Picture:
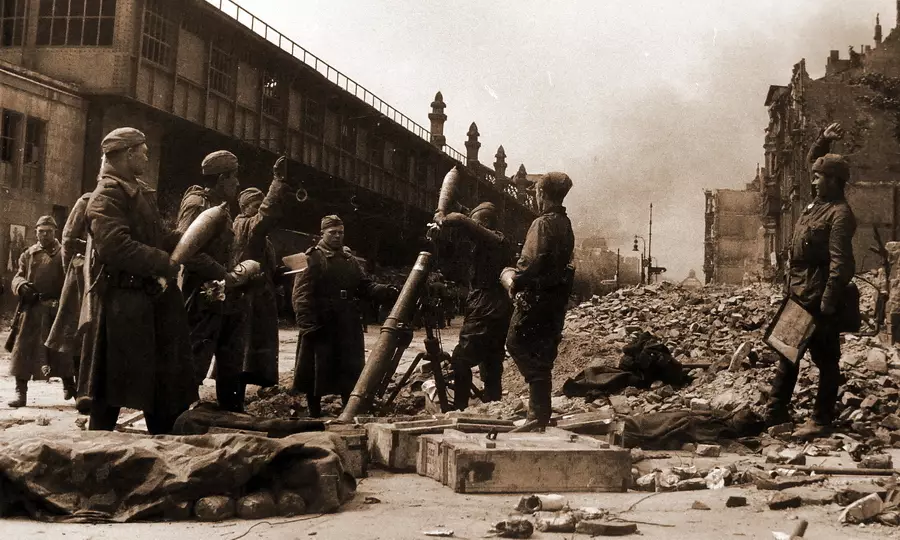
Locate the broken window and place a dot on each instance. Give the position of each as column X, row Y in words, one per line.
column 159, row 31
column 12, row 22
column 33, row 155
column 222, row 68
column 10, row 127
column 76, row 23
column 271, row 96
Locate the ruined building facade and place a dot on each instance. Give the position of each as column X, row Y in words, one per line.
column 862, row 92
column 732, row 250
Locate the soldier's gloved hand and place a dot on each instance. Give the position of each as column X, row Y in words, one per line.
column 28, row 293
column 172, row 271
column 279, row 170
column 45, row 370
column 438, row 218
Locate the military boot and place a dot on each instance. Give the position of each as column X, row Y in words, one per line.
column 539, row 408
column 812, row 429
column 21, row 394
column 68, row 388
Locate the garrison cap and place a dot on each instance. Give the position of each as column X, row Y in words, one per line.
column 834, row 165
column 250, row 195
column 45, row 221
column 485, row 206
column 555, row 184
column 219, row 162
column 122, row 138
column 331, row 221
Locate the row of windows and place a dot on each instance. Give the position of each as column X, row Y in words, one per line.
column 22, row 150
column 76, row 23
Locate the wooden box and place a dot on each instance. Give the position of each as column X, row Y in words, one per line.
column 357, row 445
column 396, row 446
column 554, row 461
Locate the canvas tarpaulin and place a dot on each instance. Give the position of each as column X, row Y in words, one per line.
column 103, row 476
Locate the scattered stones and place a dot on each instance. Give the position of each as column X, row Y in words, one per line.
column 215, row 508
column 699, row 506
column 691, row 484
column 700, row 405
column 862, row 510
column 783, row 501
column 876, row 461
column 605, row 528
column 708, row 450
column 876, row 362
column 735, row 501
column 554, row 522
column 514, row 528
column 812, row 496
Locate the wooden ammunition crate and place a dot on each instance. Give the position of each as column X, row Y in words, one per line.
column 396, row 446
column 355, row 438
column 554, row 461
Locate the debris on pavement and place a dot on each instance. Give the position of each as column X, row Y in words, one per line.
column 442, row 533
column 513, row 528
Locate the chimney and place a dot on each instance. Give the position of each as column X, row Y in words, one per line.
column 438, row 118
column 878, row 34
column 836, row 55
column 472, row 146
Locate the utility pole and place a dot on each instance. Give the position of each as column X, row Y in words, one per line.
column 618, row 258
column 650, row 249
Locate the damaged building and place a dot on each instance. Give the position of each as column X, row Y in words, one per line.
column 862, row 92
column 732, row 249
column 200, row 76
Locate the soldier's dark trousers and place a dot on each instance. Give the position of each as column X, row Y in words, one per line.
column 481, row 343
column 314, row 404
column 216, row 334
column 825, row 352
column 104, row 418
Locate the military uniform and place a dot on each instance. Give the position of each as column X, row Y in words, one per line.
column 486, row 323
column 212, row 320
column 62, row 336
column 821, row 267
column 255, row 338
column 542, row 283
column 38, row 283
column 138, row 338
column 330, row 348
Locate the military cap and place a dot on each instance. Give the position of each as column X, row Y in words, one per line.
column 122, row 138
column 250, row 195
column 45, row 221
column 331, row 221
column 834, row 165
column 555, row 184
column 485, row 206
column 219, row 162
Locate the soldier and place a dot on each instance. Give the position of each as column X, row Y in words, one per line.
column 541, row 286
column 63, row 336
column 330, row 350
column 488, row 308
column 138, row 333
column 821, row 267
column 38, row 283
column 207, row 311
column 252, row 316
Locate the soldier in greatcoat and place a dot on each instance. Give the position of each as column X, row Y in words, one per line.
column 541, row 287
column 38, row 283
column 330, row 349
column 140, row 355
column 488, row 308
column 64, row 337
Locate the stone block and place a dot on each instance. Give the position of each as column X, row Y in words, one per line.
column 735, row 501
column 862, row 510
column 290, row 503
column 783, row 501
column 708, row 450
column 259, row 505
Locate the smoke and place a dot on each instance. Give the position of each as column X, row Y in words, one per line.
column 670, row 142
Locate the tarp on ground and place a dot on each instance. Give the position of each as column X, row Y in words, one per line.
column 119, row 477
column 671, row 430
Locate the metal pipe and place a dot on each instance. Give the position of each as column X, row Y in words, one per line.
column 379, row 361
column 650, row 249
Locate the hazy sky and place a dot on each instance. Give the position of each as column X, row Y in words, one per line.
column 639, row 101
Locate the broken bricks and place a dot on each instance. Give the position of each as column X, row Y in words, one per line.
column 862, row 510
column 783, row 501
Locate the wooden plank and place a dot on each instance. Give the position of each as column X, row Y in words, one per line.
column 396, row 447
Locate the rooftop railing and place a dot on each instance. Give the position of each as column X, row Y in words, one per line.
column 262, row 29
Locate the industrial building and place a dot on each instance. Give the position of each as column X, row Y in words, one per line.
column 198, row 76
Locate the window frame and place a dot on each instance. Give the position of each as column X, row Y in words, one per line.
column 16, row 20
column 158, row 36
column 48, row 20
column 19, row 174
column 217, row 71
